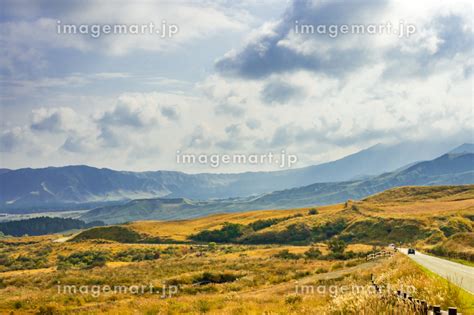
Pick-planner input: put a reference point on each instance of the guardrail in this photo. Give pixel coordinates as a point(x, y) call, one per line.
point(406, 302)
point(380, 254)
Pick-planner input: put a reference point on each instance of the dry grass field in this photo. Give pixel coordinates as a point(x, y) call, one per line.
point(243, 272)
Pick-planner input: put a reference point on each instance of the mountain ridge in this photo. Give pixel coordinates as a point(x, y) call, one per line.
point(85, 187)
point(448, 169)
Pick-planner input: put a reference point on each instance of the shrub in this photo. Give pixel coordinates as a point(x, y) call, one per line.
point(228, 233)
point(285, 254)
point(264, 223)
point(138, 254)
point(203, 306)
point(313, 211)
point(313, 253)
point(329, 229)
point(321, 270)
point(210, 277)
point(337, 246)
point(293, 299)
point(83, 260)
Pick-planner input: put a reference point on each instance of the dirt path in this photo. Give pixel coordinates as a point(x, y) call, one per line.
point(289, 287)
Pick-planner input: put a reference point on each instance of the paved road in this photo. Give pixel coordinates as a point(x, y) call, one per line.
point(459, 274)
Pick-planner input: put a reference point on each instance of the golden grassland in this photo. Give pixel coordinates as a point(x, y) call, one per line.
point(180, 229)
point(251, 279)
point(427, 208)
point(265, 284)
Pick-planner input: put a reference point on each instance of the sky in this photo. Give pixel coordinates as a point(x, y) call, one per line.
point(236, 78)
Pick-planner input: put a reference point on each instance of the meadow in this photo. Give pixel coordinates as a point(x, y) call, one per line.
point(314, 263)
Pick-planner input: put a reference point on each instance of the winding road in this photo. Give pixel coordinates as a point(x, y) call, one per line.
point(458, 274)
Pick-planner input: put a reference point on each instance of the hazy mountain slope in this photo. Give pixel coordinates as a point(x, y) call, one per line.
point(464, 148)
point(449, 169)
point(4, 170)
point(83, 186)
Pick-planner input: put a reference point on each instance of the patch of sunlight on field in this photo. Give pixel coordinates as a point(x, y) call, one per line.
point(180, 229)
point(430, 208)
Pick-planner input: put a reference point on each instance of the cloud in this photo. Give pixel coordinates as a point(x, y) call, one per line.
point(79, 144)
point(442, 34)
point(253, 124)
point(199, 139)
point(278, 92)
point(132, 112)
point(192, 19)
point(350, 91)
point(445, 41)
point(277, 49)
point(230, 110)
point(54, 119)
point(170, 112)
point(11, 139)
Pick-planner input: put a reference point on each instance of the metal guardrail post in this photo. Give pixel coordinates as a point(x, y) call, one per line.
point(436, 310)
point(424, 307)
point(452, 311)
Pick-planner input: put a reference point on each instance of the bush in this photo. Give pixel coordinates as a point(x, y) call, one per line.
point(228, 233)
point(337, 246)
point(328, 230)
point(138, 254)
point(321, 270)
point(313, 253)
point(264, 223)
point(210, 277)
point(293, 299)
point(34, 260)
point(83, 260)
point(313, 211)
point(285, 254)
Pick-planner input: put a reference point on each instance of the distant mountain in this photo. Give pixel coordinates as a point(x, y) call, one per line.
point(84, 187)
point(464, 148)
point(4, 170)
point(449, 169)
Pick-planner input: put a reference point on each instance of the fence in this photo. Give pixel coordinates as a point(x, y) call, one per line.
point(383, 253)
point(406, 302)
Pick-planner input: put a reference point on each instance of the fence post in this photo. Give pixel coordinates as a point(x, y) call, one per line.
point(436, 310)
point(452, 311)
point(424, 307)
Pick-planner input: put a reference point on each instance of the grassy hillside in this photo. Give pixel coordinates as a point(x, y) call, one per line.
point(243, 274)
point(458, 246)
point(417, 193)
point(449, 169)
point(406, 214)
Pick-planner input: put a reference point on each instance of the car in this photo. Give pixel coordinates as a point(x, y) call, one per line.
point(411, 251)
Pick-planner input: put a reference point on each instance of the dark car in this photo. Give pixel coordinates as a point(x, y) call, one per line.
point(411, 251)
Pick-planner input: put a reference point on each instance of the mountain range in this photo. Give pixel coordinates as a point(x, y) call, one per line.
point(448, 169)
point(85, 187)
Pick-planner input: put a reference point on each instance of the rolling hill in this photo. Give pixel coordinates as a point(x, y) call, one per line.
point(449, 169)
point(427, 213)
